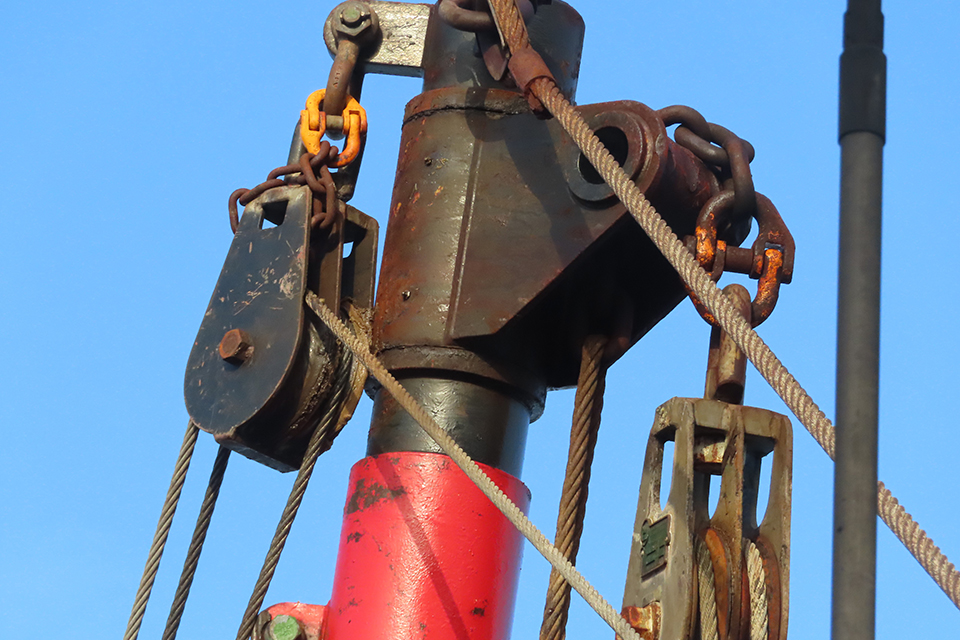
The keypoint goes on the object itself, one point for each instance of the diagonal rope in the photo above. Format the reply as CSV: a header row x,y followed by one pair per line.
x,y
163,530
470,468
196,544
573,499
782,381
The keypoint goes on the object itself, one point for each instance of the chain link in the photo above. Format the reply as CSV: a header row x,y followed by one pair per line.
x,y
312,170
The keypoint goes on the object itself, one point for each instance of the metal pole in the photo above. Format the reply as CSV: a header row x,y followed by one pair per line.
x,y
862,131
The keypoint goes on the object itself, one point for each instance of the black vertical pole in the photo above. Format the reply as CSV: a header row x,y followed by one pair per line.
x,y
862,132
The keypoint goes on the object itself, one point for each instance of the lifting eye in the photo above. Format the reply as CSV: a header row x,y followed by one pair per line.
x,y
615,140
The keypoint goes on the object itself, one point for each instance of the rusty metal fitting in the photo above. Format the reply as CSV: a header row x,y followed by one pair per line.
x,y
461,14
769,260
525,66
236,346
284,627
727,364
644,620
356,21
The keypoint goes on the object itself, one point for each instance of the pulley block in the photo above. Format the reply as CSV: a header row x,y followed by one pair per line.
x,y
261,368
726,442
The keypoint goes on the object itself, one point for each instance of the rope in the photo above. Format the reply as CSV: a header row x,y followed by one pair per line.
x,y
499,499
573,500
707,592
915,539
196,544
757,351
320,441
759,604
163,529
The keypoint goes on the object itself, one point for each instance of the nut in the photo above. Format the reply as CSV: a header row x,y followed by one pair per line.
x,y
353,13
235,346
356,22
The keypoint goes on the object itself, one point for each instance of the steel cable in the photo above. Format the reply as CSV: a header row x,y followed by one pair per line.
x,y
573,499
196,544
470,468
320,441
167,512
759,602
774,372
706,592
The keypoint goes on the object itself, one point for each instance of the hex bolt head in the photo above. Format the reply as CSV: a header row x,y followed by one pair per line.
x,y
235,346
285,628
353,13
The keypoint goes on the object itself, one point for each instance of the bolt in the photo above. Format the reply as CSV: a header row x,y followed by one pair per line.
x,y
285,628
235,346
353,13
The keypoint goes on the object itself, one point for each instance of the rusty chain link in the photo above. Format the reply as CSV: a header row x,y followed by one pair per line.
x,y
725,218
312,170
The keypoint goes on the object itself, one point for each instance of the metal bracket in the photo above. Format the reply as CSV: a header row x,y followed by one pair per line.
x,y
399,50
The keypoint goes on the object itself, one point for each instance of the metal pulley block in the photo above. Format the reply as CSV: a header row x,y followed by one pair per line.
x,y
681,554
261,368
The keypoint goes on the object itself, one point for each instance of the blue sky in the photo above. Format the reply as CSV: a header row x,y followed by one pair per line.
x,y
124,128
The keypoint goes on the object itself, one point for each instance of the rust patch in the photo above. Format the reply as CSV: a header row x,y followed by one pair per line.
x,y
354,537
364,497
644,620
479,611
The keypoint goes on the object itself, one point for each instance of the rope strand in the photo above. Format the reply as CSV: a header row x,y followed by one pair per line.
x,y
773,371
196,544
320,441
573,500
167,512
474,472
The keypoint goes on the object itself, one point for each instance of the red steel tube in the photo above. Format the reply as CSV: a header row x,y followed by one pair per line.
x,y
424,554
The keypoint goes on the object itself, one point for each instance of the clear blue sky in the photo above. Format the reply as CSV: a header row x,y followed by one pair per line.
x,y
124,127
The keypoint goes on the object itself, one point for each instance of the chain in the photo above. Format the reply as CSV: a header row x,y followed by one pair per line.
x,y
717,146
725,218
312,170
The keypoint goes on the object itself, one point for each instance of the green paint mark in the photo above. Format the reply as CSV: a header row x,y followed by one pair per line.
x,y
285,628
655,539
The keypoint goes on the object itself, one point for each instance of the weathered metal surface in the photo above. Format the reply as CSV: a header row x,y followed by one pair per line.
x,y
398,49
260,292
291,621
746,436
259,367
500,225
487,423
644,620
423,554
